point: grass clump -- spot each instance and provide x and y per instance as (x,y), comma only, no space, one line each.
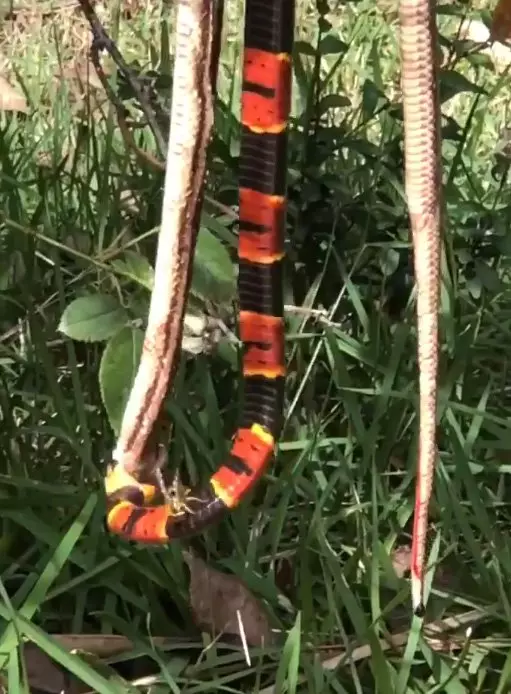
(324,542)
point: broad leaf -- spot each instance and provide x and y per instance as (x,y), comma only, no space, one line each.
(136,267)
(389,260)
(489,277)
(117,371)
(332,45)
(93,318)
(213,270)
(373,98)
(453,83)
(332,101)
(304,48)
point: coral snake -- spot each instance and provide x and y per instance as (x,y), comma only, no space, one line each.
(266,92)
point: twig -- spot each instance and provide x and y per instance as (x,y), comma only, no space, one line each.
(149,105)
(148,102)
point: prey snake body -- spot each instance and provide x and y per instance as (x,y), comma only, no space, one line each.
(423,194)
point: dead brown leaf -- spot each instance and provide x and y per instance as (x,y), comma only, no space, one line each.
(401,560)
(220,602)
(446,575)
(11,99)
(86,92)
(45,675)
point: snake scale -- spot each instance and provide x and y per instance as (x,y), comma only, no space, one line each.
(266,96)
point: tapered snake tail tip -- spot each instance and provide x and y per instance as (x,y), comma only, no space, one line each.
(417,592)
(420,610)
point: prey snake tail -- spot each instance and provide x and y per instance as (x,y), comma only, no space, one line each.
(423,194)
(262,200)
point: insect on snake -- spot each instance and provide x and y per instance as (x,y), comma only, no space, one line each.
(269,29)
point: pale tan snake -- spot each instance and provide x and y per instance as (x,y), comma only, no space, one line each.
(423,194)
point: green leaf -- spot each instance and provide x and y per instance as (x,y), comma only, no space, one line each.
(332,45)
(323,8)
(505,676)
(474,287)
(488,276)
(93,318)
(288,670)
(372,98)
(117,371)
(332,101)
(480,60)
(305,48)
(368,149)
(213,270)
(453,83)
(389,260)
(136,267)
(324,25)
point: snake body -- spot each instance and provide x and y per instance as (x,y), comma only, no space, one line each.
(423,193)
(262,210)
(186,161)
